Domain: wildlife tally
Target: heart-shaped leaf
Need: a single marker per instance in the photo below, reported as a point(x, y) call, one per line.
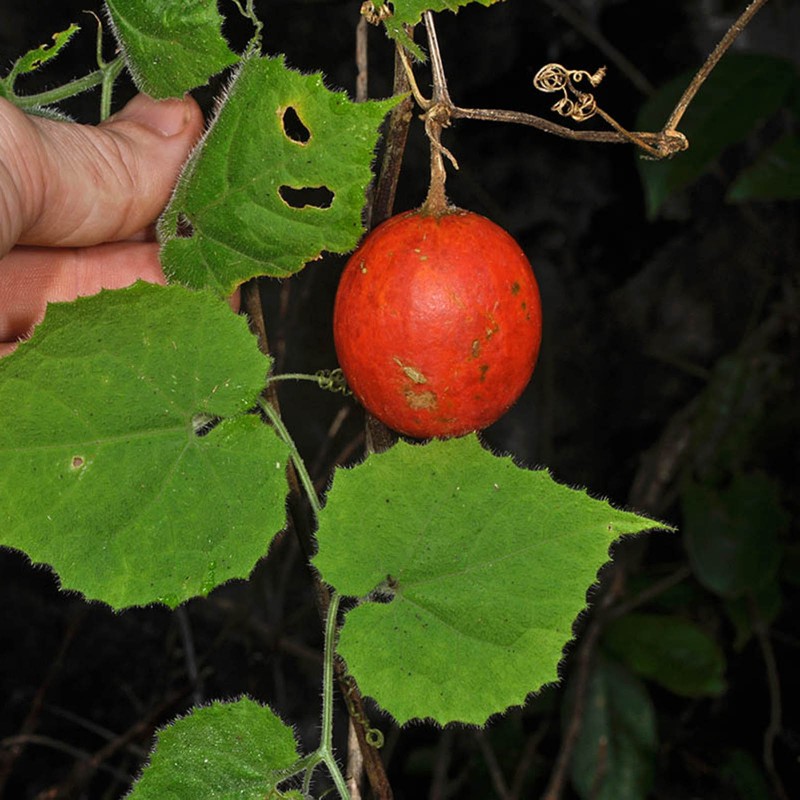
point(471, 573)
point(110, 472)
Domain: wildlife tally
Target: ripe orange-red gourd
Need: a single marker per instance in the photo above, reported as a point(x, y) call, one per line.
point(437, 323)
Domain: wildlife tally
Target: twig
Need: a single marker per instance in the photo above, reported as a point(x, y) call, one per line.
point(495, 773)
point(82, 771)
point(394, 143)
point(189, 654)
point(652, 592)
point(437, 117)
point(585, 660)
point(441, 767)
point(355, 762)
point(440, 109)
point(662, 144)
point(774, 686)
point(76, 753)
point(697, 81)
point(672, 140)
point(526, 759)
point(377, 436)
point(362, 61)
point(31, 720)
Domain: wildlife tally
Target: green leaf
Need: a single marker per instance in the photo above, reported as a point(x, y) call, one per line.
point(170, 46)
point(741, 92)
point(485, 567)
point(223, 751)
point(105, 477)
point(742, 773)
point(673, 652)
point(733, 535)
point(34, 59)
point(758, 608)
point(234, 214)
point(409, 12)
point(774, 176)
point(615, 751)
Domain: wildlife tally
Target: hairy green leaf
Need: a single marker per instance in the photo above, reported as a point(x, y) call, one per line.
point(614, 755)
point(33, 59)
point(740, 93)
point(673, 652)
point(170, 46)
point(236, 750)
point(280, 178)
point(109, 472)
point(484, 566)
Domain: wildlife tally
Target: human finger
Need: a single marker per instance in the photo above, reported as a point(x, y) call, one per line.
point(72, 185)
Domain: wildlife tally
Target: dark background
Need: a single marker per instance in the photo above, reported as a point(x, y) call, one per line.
point(627, 400)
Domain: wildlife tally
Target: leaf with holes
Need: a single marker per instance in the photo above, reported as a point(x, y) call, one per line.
point(170, 46)
point(218, 752)
point(470, 570)
point(33, 59)
point(280, 177)
point(130, 462)
point(399, 13)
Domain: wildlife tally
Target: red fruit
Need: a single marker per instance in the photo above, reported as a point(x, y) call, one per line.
point(437, 323)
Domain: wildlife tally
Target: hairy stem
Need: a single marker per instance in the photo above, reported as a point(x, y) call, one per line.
point(294, 453)
point(326, 746)
point(60, 93)
point(110, 73)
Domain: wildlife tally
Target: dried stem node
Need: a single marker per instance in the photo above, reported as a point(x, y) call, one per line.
point(376, 14)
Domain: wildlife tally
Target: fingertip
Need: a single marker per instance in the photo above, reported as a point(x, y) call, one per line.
point(170, 117)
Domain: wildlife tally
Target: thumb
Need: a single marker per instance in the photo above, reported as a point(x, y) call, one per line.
point(79, 185)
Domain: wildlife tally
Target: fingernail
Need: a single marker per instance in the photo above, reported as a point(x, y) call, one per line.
point(167, 117)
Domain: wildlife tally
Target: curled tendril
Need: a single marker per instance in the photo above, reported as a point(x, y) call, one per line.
point(332, 380)
point(557, 78)
point(373, 736)
point(551, 78)
point(375, 15)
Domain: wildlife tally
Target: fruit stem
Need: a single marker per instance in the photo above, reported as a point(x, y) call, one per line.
point(437, 117)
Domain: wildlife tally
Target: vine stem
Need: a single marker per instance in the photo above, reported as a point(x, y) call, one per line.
point(326, 746)
point(70, 89)
point(300, 482)
point(661, 144)
point(324, 753)
point(437, 117)
point(716, 54)
point(110, 73)
point(297, 461)
point(293, 376)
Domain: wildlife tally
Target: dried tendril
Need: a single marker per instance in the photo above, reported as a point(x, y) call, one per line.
point(575, 104)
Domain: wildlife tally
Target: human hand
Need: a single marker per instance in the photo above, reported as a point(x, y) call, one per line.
point(77, 203)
